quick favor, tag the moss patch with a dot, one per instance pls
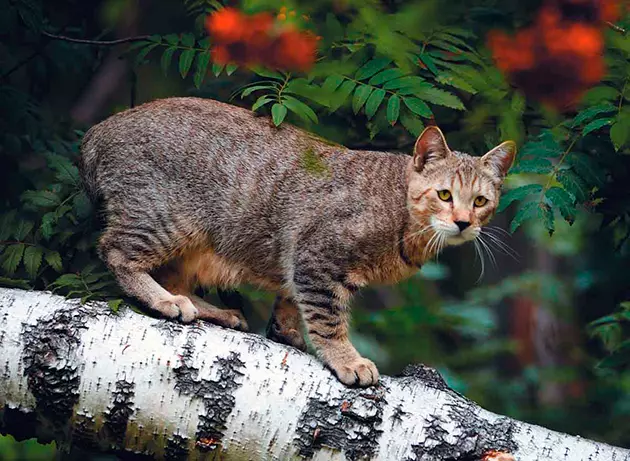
(314, 163)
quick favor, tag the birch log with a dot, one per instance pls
(124, 382)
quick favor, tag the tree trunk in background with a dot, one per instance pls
(88, 378)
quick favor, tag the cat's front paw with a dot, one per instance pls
(177, 306)
(358, 371)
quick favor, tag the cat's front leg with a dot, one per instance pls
(325, 315)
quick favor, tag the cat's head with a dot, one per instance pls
(455, 194)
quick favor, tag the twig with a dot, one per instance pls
(119, 41)
(616, 27)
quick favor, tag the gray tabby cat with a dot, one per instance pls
(197, 192)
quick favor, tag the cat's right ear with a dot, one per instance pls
(429, 147)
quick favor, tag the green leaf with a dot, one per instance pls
(306, 89)
(517, 194)
(361, 94)
(81, 205)
(600, 94)
(217, 69)
(201, 68)
(249, 90)
(22, 229)
(267, 73)
(373, 102)
(620, 131)
(595, 125)
(456, 82)
(230, 69)
(418, 107)
(165, 60)
(339, 97)
(332, 82)
(54, 260)
(440, 98)
(188, 40)
(587, 168)
(172, 39)
(67, 173)
(528, 211)
(409, 82)
(386, 76)
(393, 109)
(114, 304)
(11, 257)
(429, 63)
(278, 113)
(532, 165)
(41, 198)
(266, 99)
(69, 280)
(573, 184)
(590, 112)
(33, 259)
(299, 108)
(372, 67)
(144, 52)
(15, 283)
(562, 200)
(546, 213)
(619, 358)
(185, 61)
(412, 124)
(7, 224)
(48, 222)
(545, 145)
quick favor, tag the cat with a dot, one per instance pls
(198, 192)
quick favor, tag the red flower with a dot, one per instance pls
(256, 40)
(226, 25)
(555, 60)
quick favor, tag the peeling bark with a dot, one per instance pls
(124, 382)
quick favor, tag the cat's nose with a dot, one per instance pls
(462, 225)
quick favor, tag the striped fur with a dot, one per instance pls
(198, 192)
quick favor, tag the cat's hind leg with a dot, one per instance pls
(131, 259)
(285, 324)
(180, 278)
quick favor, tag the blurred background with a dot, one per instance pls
(538, 331)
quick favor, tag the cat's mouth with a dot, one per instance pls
(451, 233)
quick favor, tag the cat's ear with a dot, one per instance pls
(429, 147)
(500, 159)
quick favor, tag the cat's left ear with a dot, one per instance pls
(500, 159)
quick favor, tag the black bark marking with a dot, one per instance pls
(118, 412)
(20, 423)
(471, 437)
(430, 377)
(84, 434)
(216, 395)
(51, 363)
(351, 423)
(176, 448)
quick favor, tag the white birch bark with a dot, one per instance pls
(86, 377)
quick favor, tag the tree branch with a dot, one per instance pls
(86, 377)
(119, 41)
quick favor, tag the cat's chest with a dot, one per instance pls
(388, 271)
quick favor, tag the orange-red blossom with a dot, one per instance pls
(259, 40)
(560, 56)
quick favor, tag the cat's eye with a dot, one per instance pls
(481, 201)
(445, 195)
